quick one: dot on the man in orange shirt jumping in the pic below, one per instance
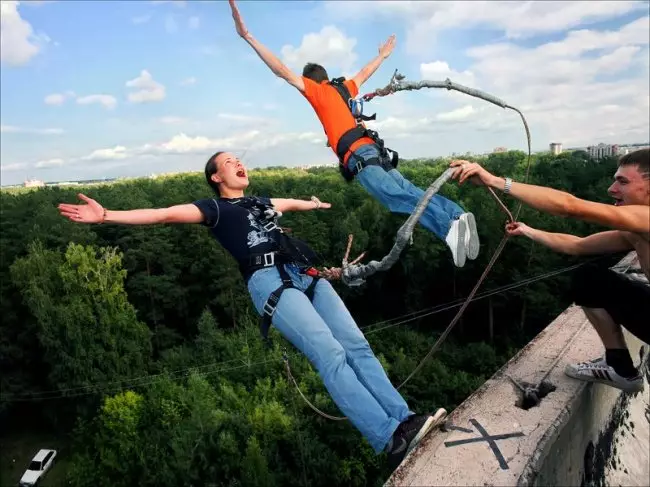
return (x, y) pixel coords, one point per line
(363, 156)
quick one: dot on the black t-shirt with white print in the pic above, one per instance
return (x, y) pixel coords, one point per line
(236, 228)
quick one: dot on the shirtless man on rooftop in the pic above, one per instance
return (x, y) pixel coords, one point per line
(609, 299)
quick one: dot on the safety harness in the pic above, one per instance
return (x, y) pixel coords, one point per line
(289, 250)
(359, 131)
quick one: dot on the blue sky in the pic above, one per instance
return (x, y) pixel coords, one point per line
(105, 89)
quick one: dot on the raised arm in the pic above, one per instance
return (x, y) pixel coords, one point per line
(369, 69)
(93, 212)
(271, 60)
(599, 243)
(631, 218)
(287, 204)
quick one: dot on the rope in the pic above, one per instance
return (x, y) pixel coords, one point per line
(444, 335)
(453, 304)
(438, 309)
(353, 275)
(435, 345)
(293, 380)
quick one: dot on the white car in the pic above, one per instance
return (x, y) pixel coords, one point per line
(40, 464)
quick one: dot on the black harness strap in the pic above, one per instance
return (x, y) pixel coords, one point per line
(289, 251)
(274, 298)
(345, 94)
(359, 131)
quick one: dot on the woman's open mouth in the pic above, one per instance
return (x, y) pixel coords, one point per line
(241, 173)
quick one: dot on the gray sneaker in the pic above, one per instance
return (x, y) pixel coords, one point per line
(597, 370)
(472, 244)
(456, 241)
(409, 434)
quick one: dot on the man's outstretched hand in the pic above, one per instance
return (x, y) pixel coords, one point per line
(472, 171)
(517, 228)
(239, 23)
(387, 47)
(92, 212)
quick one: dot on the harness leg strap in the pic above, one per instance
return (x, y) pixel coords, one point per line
(272, 302)
(309, 292)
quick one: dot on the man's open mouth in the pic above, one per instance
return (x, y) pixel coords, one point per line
(618, 202)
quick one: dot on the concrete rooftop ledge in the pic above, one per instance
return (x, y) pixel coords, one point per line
(578, 434)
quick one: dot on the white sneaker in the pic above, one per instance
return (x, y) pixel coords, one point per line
(597, 370)
(456, 241)
(472, 244)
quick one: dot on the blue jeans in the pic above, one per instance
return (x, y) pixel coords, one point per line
(399, 195)
(325, 332)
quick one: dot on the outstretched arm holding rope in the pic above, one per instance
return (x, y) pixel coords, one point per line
(609, 299)
(631, 218)
(608, 242)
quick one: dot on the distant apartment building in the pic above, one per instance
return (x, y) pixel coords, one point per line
(602, 150)
(500, 149)
(556, 148)
(626, 149)
(33, 183)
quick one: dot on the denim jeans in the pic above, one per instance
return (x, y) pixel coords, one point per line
(399, 195)
(325, 332)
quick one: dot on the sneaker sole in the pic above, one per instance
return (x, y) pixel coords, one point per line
(473, 245)
(431, 422)
(626, 388)
(461, 253)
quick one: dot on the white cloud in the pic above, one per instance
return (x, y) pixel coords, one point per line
(57, 162)
(18, 44)
(194, 22)
(329, 48)
(13, 167)
(117, 152)
(189, 81)
(142, 19)
(148, 90)
(58, 99)
(424, 21)
(54, 99)
(440, 70)
(462, 113)
(182, 143)
(12, 129)
(107, 101)
(562, 61)
(582, 89)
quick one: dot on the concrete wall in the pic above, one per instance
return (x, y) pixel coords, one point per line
(578, 434)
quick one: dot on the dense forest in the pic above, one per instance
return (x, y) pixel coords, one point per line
(137, 347)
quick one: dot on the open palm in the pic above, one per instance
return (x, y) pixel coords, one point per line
(387, 47)
(92, 212)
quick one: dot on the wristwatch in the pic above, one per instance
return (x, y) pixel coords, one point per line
(506, 189)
